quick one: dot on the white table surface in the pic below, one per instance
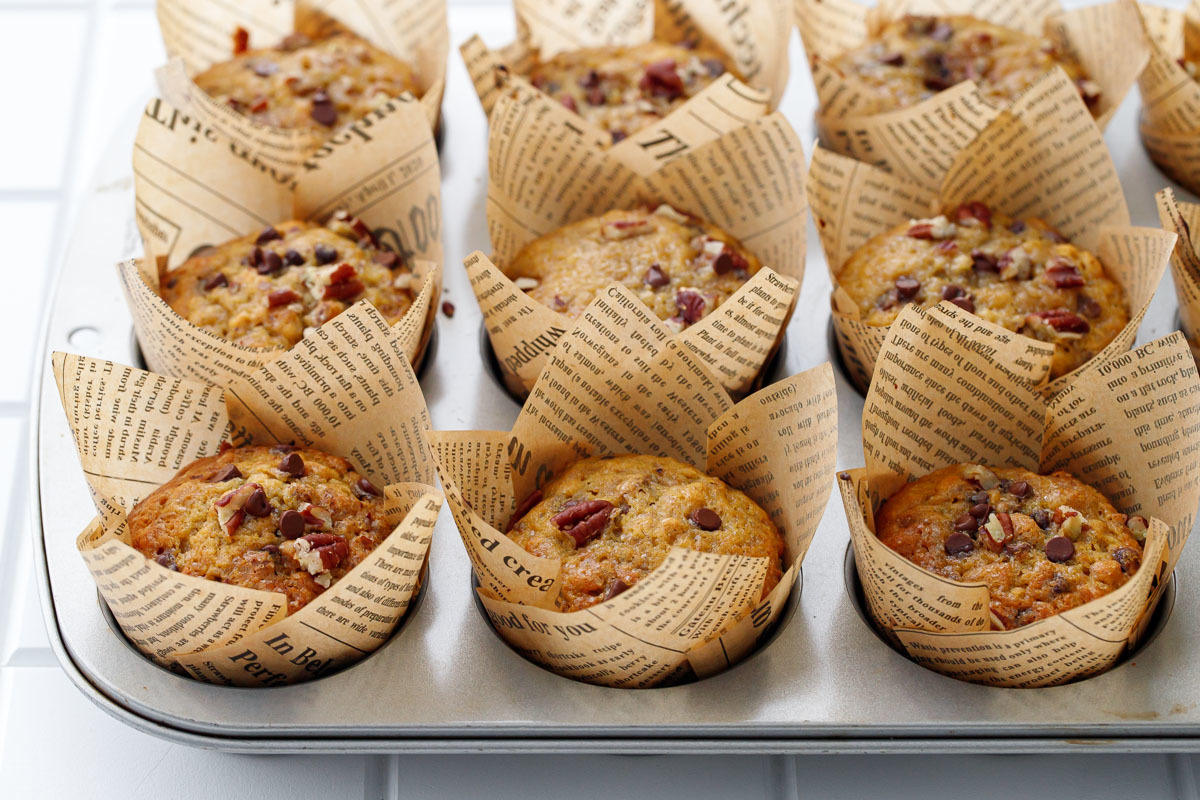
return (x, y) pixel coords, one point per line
(72, 68)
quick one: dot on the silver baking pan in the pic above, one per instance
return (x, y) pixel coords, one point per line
(446, 683)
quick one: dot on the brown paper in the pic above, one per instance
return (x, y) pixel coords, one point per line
(1181, 219)
(1170, 118)
(950, 388)
(194, 187)
(1042, 158)
(918, 142)
(543, 175)
(198, 34)
(616, 383)
(347, 389)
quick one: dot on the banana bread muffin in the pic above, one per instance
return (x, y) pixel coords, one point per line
(1021, 274)
(264, 289)
(280, 519)
(915, 57)
(624, 89)
(612, 521)
(1042, 543)
(307, 85)
(679, 266)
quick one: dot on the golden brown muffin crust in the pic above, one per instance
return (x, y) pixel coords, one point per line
(612, 521)
(1042, 543)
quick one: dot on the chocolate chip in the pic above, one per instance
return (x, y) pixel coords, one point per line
(951, 292)
(1059, 585)
(271, 263)
(615, 588)
(267, 234)
(1018, 226)
(270, 549)
(661, 80)
(291, 524)
(907, 287)
(255, 256)
(690, 305)
(596, 96)
(1128, 558)
(1018, 488)
(979, 497)
(293, 465)
(655, 277)
(966, 523)
(166, 560)
(619, 136)
(1087, 306)
(984, 262)
(448, 308)
(1042, 517)
(705, 519)
(226, 473)
(589, 79)
(364, 488)
(958, 544)
(980, 510)
(256, 504)
(293, 258)
(216, 280)
(893, 59)
(1060, 549)
(965, 303)
(323, 110)
(325, 254)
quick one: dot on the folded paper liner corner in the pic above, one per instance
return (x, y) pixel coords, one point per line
(199, 33)
(911, 141)
(950, 388)
(194, 187)
(1181, 219)
(1041, 158)
(618, 383)
(1170, 117)
(749, 182)
(135, 430)
(754, 36)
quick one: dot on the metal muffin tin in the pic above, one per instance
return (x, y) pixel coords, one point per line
(447, 683)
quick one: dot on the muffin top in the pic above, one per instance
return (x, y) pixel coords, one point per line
(915, 57)
(1018, 273)
(612, 521)
(307, 85)
(264, 289)
(1042, 543)
(280, 519)
(624, 89)
(679, 266)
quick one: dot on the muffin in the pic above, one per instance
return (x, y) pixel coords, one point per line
(612, 521)
(1042, 544)
(915, 57)
(264, 289)
(623, 89)
(1018, 273)
(307, 85)
(679, 266)
(280, 519)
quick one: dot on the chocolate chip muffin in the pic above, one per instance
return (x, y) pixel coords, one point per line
(679, 266)
(612, 521)
(1021, 274)
(1042, 543)
(263, 290)
(624, 89)
(915, 57)
(280, 519)
(307, 85)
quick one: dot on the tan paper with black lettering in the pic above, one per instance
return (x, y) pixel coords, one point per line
(1042, 158)
(194, 188)
(950, 388)
(1181, 219)
(749, 183)
(1170, 117)
(199, 33)
(347, 389)
(618, 383)
(918, 141)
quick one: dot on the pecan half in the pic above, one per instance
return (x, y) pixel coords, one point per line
(583, 521)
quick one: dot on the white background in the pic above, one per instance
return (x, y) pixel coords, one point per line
(71, 69)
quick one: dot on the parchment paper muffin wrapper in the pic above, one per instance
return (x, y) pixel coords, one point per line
(950, 388)
(1181, 219)
(749, 182)
(194, 187)
(348, 390)
(1170, 117)
(618, 383)
(199, 33)
(920, 141)
(1043, 158)
(754, 35)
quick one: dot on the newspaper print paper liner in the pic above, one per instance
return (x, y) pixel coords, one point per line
(755, 35)
(950, 388)
(1181, 219)
(920, 141)
(199, 33)
(618, 383)
(542, 175)
(193, 187)
(1170, 117)
(1041, 158)
(135, 430)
